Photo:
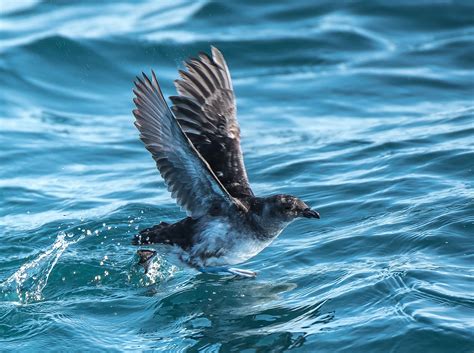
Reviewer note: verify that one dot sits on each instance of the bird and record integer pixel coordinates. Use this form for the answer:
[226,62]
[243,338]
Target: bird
[195,144]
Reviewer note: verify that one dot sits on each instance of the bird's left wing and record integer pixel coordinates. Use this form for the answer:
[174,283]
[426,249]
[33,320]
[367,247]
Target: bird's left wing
[187,175]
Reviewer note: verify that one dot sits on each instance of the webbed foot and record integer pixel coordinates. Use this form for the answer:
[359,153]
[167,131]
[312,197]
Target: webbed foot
[243,273]
[145,257]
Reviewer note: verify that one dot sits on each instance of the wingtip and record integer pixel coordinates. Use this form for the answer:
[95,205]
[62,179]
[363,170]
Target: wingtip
[181,74]
[140,84]
[138,126]
[135,91]
[137,84]
[147,79]
[205,57]
[215,52]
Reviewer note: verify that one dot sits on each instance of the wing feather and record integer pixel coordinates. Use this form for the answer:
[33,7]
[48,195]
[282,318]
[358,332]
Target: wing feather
[187,175]
[206,110]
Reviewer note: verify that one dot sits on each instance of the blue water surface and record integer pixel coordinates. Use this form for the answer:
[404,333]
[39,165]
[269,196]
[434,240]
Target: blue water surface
[364,109]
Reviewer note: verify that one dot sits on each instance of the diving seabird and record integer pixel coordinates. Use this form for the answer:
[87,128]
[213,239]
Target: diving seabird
[196,147]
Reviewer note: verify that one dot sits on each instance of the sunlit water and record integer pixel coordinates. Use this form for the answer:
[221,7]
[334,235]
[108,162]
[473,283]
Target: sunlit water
[363,110]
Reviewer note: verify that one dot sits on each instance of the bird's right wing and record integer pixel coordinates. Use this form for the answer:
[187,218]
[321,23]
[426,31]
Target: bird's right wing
[186,173]
[206,110]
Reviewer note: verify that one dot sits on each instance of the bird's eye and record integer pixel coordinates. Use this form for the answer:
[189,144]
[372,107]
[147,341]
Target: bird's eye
[287,207]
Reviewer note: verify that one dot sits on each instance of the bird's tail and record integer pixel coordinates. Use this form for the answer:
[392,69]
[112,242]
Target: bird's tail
[153,235]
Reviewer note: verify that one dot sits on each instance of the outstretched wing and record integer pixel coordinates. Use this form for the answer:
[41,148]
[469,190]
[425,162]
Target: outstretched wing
[186,173]
[206,110]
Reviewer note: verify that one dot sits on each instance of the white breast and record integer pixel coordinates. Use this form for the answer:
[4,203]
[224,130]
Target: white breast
[219,244]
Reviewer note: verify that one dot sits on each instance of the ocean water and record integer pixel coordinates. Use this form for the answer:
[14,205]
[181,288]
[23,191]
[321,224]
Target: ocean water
[365,110]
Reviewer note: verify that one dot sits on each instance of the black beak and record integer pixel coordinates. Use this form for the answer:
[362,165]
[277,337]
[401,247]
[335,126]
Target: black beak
[309,213]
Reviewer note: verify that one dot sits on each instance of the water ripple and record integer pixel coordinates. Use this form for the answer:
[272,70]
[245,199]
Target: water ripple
[364,110]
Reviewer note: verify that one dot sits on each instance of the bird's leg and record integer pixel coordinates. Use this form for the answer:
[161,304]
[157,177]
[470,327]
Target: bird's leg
[241,272]
[231,270]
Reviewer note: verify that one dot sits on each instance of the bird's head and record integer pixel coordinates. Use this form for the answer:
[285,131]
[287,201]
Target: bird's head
[288,208]
[275,212]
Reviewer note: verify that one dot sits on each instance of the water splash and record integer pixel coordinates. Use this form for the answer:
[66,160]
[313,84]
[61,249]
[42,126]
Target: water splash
[159,270]
[27,283]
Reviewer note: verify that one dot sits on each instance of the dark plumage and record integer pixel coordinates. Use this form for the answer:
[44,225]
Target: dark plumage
[197,151]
